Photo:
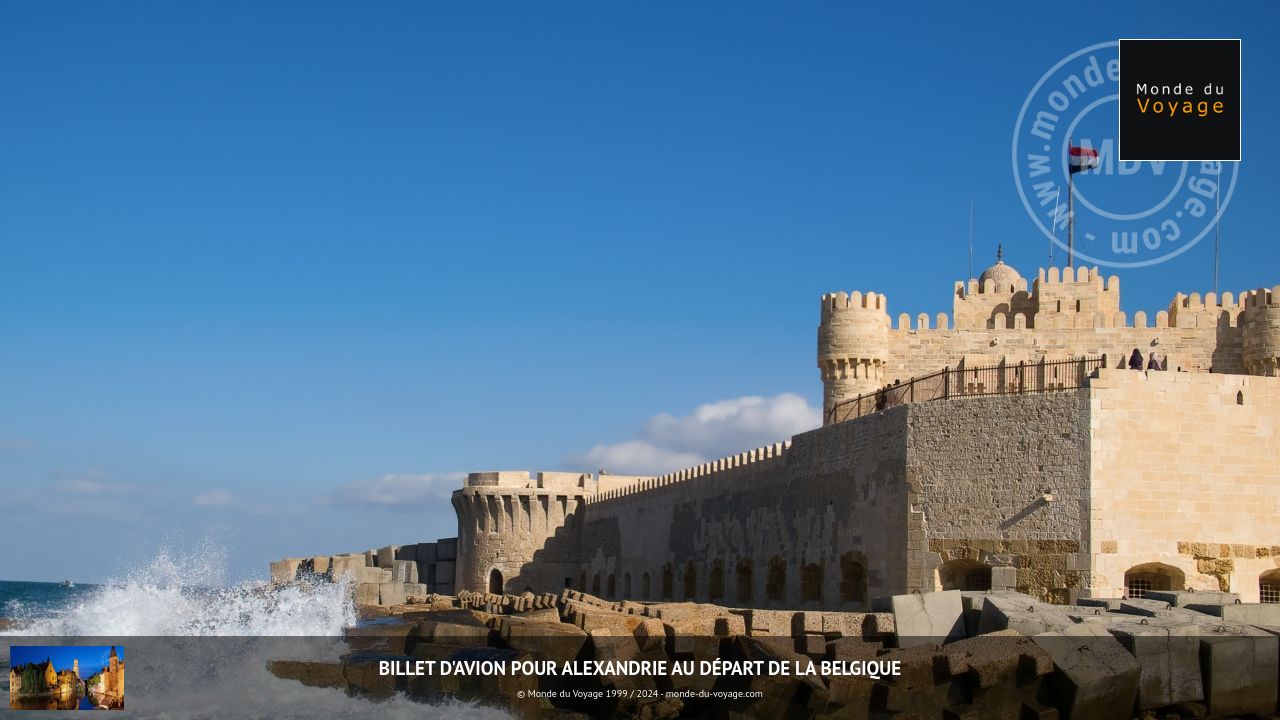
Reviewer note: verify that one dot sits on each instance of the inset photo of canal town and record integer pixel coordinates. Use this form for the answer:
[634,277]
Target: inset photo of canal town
[59,677]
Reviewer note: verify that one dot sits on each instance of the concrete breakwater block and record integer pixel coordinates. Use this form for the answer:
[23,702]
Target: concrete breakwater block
[1024,614]
[404,571]
[1240,669]
[1093,678]
[1168,655]
[1191,598]
[924,618]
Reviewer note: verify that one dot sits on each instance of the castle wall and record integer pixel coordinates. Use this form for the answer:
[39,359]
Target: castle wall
[1003,481]
[1185,475]
[819,524]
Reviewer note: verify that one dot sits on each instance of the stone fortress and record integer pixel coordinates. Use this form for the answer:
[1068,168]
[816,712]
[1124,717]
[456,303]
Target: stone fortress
[1122,482]
[1043,465]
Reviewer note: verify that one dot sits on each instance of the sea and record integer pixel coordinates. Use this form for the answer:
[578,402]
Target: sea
[197,649]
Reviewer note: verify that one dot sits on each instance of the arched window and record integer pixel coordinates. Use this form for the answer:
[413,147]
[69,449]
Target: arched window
[690,581]
[595,585]
[964,574]
[811,582]
[744,580]
[626,586]
[853,577]
[1269,586]
[495,582]
[644,586]
[1240,397]
[716,589]
[775,587]
[668,582]
[611,587]
[1140,579]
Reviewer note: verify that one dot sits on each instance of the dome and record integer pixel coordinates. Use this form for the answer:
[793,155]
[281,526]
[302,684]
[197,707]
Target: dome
[1003,275]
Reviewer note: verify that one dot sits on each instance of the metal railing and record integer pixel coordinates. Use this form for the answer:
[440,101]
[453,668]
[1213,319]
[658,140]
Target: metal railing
[1001,379]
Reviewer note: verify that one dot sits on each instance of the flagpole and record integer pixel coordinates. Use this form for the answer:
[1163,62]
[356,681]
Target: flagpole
[1071,210]
[1057,214]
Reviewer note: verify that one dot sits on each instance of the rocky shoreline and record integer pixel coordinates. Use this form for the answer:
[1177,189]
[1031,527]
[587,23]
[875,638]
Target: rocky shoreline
[961,655]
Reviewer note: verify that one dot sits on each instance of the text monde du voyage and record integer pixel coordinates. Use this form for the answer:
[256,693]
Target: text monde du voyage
[1181,99]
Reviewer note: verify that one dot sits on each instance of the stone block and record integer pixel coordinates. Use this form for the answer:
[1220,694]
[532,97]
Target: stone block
[1004,578]
[1240,670]
[320,564]
[407,552]
[445,572]
[370,575]
[927,617]
[426,553]
[447,549]
[388,638]
[1168,655]
[783,695]
[544,641]
[387,555]
[650,634]
[285,570]
[347,567]
[449,633]
[405,571]
[1094,678]
[1020,613]
[1190,598]
[1249,613]
[769,622]
[366,594]
[391,593]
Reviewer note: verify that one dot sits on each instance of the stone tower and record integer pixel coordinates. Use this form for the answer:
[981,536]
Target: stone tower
[853,345]
[1261,337]
[517,531]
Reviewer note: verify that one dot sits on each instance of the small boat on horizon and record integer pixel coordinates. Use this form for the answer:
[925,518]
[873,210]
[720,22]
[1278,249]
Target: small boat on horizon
[68,583]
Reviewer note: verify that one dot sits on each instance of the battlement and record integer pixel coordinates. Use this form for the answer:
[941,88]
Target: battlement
[762,457]
[575,483]
[856,300]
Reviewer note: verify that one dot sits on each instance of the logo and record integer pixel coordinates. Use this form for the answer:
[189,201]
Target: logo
[1126,213]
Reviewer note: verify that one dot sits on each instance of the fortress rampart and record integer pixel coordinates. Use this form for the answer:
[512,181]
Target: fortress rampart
[1124,480]
[1065,313]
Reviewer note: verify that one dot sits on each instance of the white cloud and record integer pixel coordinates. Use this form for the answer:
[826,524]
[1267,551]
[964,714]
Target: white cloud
[711,431]
[213,498]
[397,491]
[93,483]
[633,457]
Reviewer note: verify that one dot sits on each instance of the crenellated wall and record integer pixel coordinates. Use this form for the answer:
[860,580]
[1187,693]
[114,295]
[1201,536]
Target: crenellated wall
[1065,313]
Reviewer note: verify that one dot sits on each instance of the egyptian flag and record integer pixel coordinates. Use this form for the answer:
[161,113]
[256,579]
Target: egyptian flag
[1082,159]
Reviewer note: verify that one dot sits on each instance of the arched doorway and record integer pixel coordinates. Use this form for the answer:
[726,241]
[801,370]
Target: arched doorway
[645,586]
[1140,579]
[1269,587]
[495,581]
[811,583]
[744,580]
[853,578]
[715,590]
[626,586]
[668,582]
[611,587]
[775,586]
[965,574]
[690,581]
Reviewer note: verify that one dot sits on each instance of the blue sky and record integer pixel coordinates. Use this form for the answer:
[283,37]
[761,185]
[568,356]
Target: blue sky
[274,273]
[92,657]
